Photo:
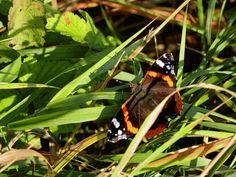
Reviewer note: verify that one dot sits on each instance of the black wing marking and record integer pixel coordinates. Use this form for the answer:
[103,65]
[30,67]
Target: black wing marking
[117,130]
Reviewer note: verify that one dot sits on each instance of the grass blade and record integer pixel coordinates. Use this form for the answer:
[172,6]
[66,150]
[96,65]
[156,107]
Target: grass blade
[201,21]
[182,50]
[220,158]
[91,73]
[64,117]
[7,86]
[75,149]
[210,13]
[178,135]
[188,154]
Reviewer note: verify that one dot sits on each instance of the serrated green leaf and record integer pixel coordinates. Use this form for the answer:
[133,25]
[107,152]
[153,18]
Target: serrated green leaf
[26,24]
[80,29]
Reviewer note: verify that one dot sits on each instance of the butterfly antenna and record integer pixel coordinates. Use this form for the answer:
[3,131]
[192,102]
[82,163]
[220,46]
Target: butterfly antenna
[155,41]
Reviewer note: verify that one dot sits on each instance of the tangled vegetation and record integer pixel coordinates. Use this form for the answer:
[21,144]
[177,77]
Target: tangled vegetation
[66,68]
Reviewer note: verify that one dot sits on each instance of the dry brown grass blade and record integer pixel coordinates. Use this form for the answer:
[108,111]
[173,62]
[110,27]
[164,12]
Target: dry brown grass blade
[9,157]
[190,153]
[231,141]
[145,11]
[153,33]
[151,119]
[75,149]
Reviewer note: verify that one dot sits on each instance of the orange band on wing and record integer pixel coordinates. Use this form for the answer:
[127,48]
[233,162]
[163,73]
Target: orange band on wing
[129,125]
[157,131]
[179,104]
[153,74]
[168,80]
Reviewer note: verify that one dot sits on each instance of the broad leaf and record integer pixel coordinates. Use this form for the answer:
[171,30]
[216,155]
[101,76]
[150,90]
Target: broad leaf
[5,6]
[80,29]
[11,71]
[26,24]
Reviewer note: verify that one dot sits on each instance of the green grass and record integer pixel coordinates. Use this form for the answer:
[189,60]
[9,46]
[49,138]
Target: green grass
[63,76]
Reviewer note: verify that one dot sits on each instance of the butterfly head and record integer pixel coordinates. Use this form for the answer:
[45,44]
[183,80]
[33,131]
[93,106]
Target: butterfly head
[165,64]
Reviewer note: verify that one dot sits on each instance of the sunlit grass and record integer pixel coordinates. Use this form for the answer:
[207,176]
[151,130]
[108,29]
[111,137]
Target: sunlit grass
[65,92]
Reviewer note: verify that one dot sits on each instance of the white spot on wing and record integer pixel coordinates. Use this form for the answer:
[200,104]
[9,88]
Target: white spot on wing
[168,67]
[115,122]
[165,55]
[119,132]
[173,72]
[160,63]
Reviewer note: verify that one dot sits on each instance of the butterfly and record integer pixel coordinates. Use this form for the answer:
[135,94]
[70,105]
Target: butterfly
[158,82]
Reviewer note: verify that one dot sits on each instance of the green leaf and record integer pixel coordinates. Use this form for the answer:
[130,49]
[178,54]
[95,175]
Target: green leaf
[57,113]
[80,29]
[229,83]
[64,117]
[8,86]
[211,134]
[102,66]
[210,12]
[223,39]
[16,109]
[26,24]
[124,76]
[11,71]
[1,25]
[75,101]
[41,71]
[220,126]
[57,53]
[7,99]
[7,54]
[138,157]
[52,64]
[182,50]
[195,112]
[5,6]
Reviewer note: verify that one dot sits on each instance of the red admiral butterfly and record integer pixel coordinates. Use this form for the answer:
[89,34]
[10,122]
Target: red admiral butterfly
[158,82]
